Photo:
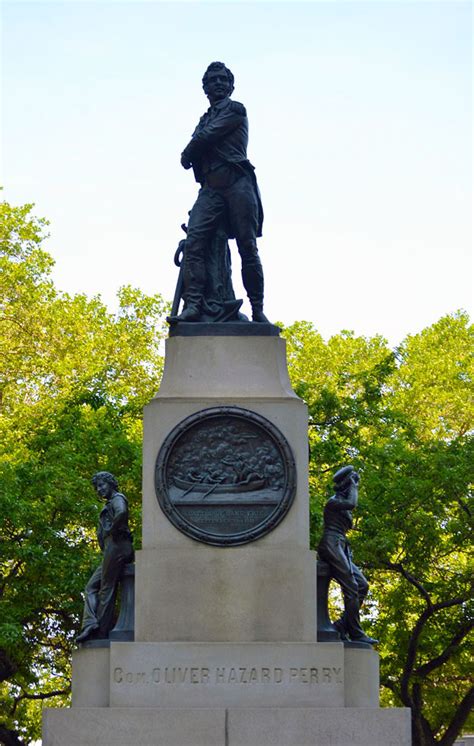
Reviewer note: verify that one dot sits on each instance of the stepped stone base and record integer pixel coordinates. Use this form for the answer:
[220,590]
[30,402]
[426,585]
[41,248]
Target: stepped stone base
[270,726]
[225,650]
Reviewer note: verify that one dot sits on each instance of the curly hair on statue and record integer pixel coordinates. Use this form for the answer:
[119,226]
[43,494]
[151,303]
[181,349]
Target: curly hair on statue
[105,476]
[217,66]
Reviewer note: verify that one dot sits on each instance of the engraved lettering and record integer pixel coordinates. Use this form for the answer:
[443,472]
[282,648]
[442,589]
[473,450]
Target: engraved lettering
[337,674]
[169,677]
[118,675]
[195,676]
[220,673]
[185,675]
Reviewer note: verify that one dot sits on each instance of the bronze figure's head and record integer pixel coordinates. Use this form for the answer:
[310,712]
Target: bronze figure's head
[217,82]
[105,484]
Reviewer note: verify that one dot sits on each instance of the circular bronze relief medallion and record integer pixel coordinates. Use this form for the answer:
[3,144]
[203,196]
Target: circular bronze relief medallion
[225,476]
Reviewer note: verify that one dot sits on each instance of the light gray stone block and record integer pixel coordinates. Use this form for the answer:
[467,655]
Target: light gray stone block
[250,372]
[222,367]
[288,414]
[234,594]
[225,674]
[90,677]
[122,726]
[264,726]
[361,677]
[318,727]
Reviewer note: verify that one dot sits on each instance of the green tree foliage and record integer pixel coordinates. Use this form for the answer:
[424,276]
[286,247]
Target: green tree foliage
[405,419]
[73,381]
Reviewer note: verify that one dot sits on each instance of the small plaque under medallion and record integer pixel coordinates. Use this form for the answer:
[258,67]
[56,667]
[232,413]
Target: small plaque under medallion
[225,476]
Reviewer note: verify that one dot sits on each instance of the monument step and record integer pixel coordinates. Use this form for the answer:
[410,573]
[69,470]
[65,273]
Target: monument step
[256,726]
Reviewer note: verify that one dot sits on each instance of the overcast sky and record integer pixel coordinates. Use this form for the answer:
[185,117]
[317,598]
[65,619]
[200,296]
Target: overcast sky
[360,132]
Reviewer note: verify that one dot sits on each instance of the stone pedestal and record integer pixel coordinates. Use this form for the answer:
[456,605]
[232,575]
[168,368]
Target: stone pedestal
[239,594]
[225,650]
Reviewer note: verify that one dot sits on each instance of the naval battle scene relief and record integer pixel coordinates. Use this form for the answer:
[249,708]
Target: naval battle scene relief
[225,472]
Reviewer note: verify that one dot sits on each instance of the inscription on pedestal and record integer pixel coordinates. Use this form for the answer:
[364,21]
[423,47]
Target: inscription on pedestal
[225,476]
[229,675]
[226,674]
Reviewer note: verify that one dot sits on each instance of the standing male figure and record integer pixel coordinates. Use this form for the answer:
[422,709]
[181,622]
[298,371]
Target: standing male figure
[217,153]
[335,550]
[115,541]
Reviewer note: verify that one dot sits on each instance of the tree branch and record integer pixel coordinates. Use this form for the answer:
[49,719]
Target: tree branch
[422,727]
[9,737]
[426,668]
[464,507]
[413,641]
[7,666]
[460,717]
[43,695]
[12,574]
[398,567]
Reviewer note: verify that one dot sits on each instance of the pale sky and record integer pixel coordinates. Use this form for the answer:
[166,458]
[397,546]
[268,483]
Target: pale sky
[360,132]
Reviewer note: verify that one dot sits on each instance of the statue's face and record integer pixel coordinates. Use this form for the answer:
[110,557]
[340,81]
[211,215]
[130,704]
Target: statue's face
[218,85]
[104,489]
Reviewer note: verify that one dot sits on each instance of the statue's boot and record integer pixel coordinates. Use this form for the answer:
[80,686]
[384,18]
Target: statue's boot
[87,632]
[350,620]
[365,638]
[339,625]
[258,315]
[191,313]
[252,279]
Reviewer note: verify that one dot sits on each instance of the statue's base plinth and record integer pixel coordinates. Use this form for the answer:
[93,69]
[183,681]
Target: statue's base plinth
[223,329]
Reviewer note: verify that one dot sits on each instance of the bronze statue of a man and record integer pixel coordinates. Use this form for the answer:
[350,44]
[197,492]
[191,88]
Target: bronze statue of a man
[334,549]
[229,193]
[115,541]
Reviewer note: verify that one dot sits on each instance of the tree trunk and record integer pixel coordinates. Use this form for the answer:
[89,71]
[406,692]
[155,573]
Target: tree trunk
[7,666]
[9,737]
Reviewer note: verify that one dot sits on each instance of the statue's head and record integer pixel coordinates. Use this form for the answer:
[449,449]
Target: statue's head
[105,484]
[217,82]
[344,478]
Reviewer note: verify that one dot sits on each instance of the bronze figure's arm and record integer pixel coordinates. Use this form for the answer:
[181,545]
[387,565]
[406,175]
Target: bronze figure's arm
[228,119]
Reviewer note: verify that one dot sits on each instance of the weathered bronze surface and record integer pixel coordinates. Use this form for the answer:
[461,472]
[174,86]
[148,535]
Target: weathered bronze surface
[115,541]
[335,550]
[225,476]
[228,206]
[219,303]
[224,329]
